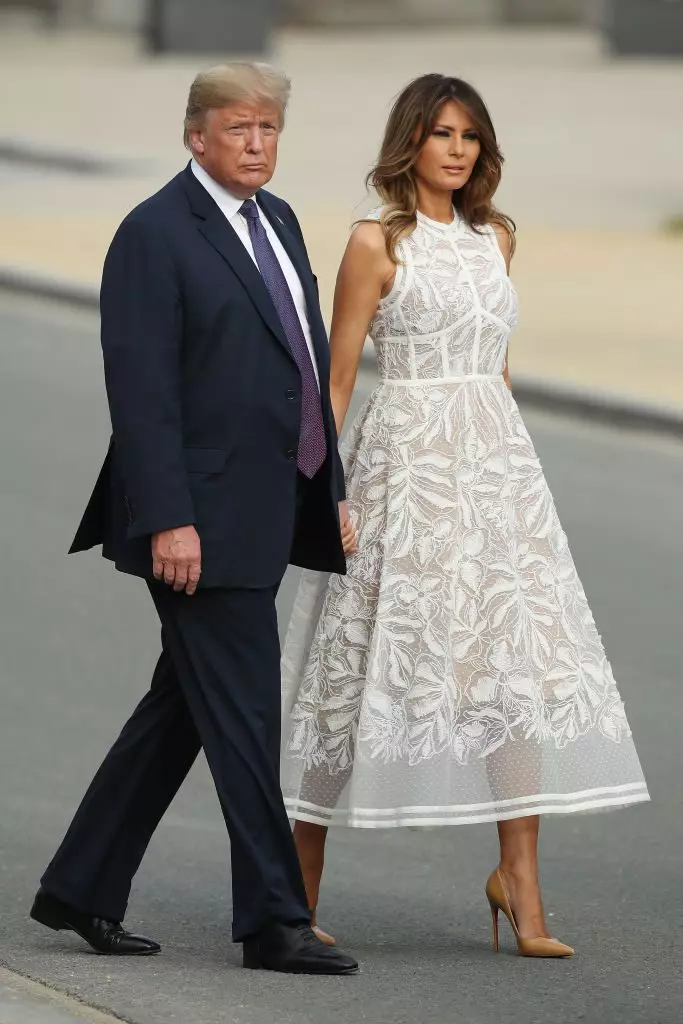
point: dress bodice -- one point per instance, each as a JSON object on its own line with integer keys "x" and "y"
{"x": 452, "y": 306}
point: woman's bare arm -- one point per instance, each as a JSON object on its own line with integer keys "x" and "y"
{"x": 364, "y": 276}
{"x": 505, "y": 243}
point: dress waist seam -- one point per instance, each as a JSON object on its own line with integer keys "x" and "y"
{"x": 469, "y": 378}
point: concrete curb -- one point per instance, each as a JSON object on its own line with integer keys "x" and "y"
{"x": 541, "y": 393}
{"x": 618, "y": 410}
{"x": 39, "y": 286}
{"x": 25, "y": 1001}
{"x": 25, "y": 153}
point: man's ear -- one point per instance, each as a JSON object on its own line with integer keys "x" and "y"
{"x": 197, "y": 141}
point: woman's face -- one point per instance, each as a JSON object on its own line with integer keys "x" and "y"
{"x": 447, "y": 158}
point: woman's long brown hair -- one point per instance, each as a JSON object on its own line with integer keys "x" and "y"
{"x": 411, "y": 121}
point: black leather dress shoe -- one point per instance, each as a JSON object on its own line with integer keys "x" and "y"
{"x": 295, "y": 949}
{"x": 108, "y": 937}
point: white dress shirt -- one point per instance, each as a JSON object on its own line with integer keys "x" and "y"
{"x": 230, "y": 207}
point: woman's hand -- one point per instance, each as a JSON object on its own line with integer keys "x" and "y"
{"x": 349, "y": 537}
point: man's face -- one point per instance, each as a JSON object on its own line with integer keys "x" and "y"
{"x": 237, "y": 146}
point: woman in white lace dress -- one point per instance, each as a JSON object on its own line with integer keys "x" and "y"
{"x": 455, "y": 674}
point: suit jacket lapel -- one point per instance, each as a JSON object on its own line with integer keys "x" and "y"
{"x": 293, "y": 249}
{"x": 219, "y": 233}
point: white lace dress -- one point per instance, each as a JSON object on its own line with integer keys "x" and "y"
{"x": 456, "y": 673}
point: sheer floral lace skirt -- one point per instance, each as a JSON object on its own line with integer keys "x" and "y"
{"x": 455, "y": 674}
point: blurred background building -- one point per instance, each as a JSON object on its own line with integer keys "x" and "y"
{"x": 630, "y": 26}
{"x": 594, "y": 155}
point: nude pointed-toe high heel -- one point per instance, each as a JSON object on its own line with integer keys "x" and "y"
{"x": 497, "y": 895}
{"x": 326, "y": 939}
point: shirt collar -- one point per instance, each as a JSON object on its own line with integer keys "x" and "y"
{"x": 228, "y": 203}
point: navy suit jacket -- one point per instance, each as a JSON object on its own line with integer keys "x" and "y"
{"x": 205, "y": 399}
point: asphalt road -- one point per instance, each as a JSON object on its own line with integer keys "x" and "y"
{"x": 77, "y": 644}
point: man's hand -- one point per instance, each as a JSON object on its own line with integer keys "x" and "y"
{"x": 348, "y": 533}
{"x": 177, "y": 558}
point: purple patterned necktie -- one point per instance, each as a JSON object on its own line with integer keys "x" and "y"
{"x": 312, "y": 447}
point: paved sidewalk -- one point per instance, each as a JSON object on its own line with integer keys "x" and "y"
{"x": 26, "y": 1002}
{"x": 594, "y": 170}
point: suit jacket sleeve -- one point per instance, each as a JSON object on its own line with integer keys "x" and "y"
{"x": 141, "y": 344}
{"x": 337, "y": 467}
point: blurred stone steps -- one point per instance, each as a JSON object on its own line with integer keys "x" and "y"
{"x": 372, "y": 13}
{"x": 357, "y": 13}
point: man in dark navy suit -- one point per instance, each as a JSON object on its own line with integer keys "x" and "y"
{"x": 222, "y": 468}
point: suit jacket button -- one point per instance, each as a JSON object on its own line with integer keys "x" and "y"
{"x": 291, "y": 454}
{"x": 290, "y": 394}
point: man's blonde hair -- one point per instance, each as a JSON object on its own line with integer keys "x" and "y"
{"x": 231, "y": 83}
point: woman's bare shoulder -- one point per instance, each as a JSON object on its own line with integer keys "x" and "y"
{"x": 366, "y": 250}
{"x": 504, "y": 236}
{"x": 368, "y": 235}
